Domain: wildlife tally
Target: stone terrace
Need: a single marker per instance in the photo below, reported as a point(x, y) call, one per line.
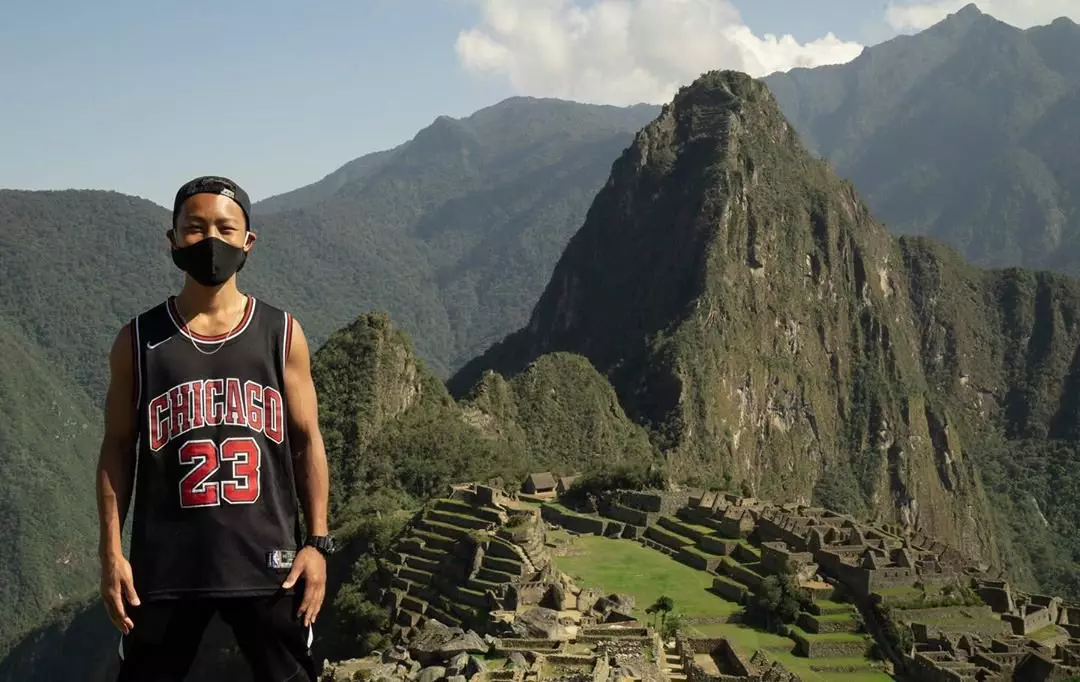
point(477, 559)
point(461, 558)
point(724, 536)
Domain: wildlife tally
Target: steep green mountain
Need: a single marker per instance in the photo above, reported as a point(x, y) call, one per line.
point(394, 437)
point(563, 414)
point(965, 132)
point(749, 310)
point(47, 512)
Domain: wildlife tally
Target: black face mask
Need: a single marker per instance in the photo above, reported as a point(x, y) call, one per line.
point(210, 261)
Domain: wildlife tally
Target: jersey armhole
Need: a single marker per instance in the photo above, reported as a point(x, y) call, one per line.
point(287, 345)
point(136, 359)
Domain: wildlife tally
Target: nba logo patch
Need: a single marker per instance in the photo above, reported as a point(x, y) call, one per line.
point(280, 558)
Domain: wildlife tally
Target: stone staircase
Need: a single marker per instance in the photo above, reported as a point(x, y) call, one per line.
point(673, 667)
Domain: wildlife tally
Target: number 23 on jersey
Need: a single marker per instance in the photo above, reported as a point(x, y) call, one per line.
point(227, 471)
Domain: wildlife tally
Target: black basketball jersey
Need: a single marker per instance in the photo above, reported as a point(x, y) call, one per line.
point(215, 503)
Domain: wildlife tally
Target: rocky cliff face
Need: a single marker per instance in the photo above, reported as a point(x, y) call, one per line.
point(748, 308)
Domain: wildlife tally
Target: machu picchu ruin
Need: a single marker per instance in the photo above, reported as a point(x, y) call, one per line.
point(485, 584)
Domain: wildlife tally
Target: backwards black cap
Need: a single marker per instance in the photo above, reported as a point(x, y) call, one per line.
point(213, 184)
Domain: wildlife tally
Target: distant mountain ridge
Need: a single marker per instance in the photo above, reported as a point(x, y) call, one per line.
point(965, 132)
point(511, 126)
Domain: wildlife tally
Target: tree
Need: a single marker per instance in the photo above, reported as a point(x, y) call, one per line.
point(663, 606)
point(776, 602)
point(672, 625)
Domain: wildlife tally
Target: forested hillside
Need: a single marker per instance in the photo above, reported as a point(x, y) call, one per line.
point(48, 434)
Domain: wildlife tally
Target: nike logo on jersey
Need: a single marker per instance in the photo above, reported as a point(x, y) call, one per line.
point(152, 346)
point(210, 402)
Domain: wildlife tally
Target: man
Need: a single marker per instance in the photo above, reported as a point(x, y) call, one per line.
point(211, 419)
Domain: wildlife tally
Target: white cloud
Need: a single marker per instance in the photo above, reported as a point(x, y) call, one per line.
point(626, 51)
point(1022, 13)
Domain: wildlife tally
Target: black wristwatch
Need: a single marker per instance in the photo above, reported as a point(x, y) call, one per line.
point(323, 543)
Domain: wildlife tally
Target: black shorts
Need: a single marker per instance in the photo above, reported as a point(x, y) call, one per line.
point(167, 633)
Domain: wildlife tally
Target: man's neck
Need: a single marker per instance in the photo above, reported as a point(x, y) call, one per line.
point(195, 299)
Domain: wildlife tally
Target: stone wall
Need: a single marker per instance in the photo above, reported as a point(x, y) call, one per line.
point(744, 555)
point(730, 660)
point(999, 599)
point(715, 545)
point(897, 577)
point(1069, 654)
point(698, 561)
point(817, 648)
point(771, 530)
point(815, 625)
point(585, 525)
point(601, 670)
point(735, 527)
point(777, 558)
point(741, 574)
point(615, 510)
point(729, 589)
point(925, 669)
point(530, 594)
point(1034, 618)
point(732, 665)
point(863, 581)
point(686, 650)
point(662, 502)
point(699, 516)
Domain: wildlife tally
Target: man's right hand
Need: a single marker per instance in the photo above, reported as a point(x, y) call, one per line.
point(117, 584)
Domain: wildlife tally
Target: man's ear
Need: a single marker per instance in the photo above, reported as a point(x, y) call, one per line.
point(249, 241)
point(169, 235)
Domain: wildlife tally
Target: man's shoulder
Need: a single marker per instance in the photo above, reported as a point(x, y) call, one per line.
point(159, 308)
point(270, 310)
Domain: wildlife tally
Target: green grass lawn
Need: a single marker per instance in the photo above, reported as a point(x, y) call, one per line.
point(628, 567)
point(704, 530)
point(1046, 633)
point(778, 648)
point(829, 607)
point(624, 566)
point(833, 617)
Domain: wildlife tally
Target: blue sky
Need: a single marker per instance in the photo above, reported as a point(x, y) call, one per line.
point(139, 96)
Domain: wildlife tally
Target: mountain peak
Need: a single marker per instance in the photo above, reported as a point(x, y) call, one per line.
point(732, 288)
point(722, 115)
point(969, 10)
point(964, 18)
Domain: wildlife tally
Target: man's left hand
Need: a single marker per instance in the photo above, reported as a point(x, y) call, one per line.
point(310, 565)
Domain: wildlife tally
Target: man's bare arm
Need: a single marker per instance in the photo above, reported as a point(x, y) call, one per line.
point(312, 477)
point(305, 437)
point(116, 464)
